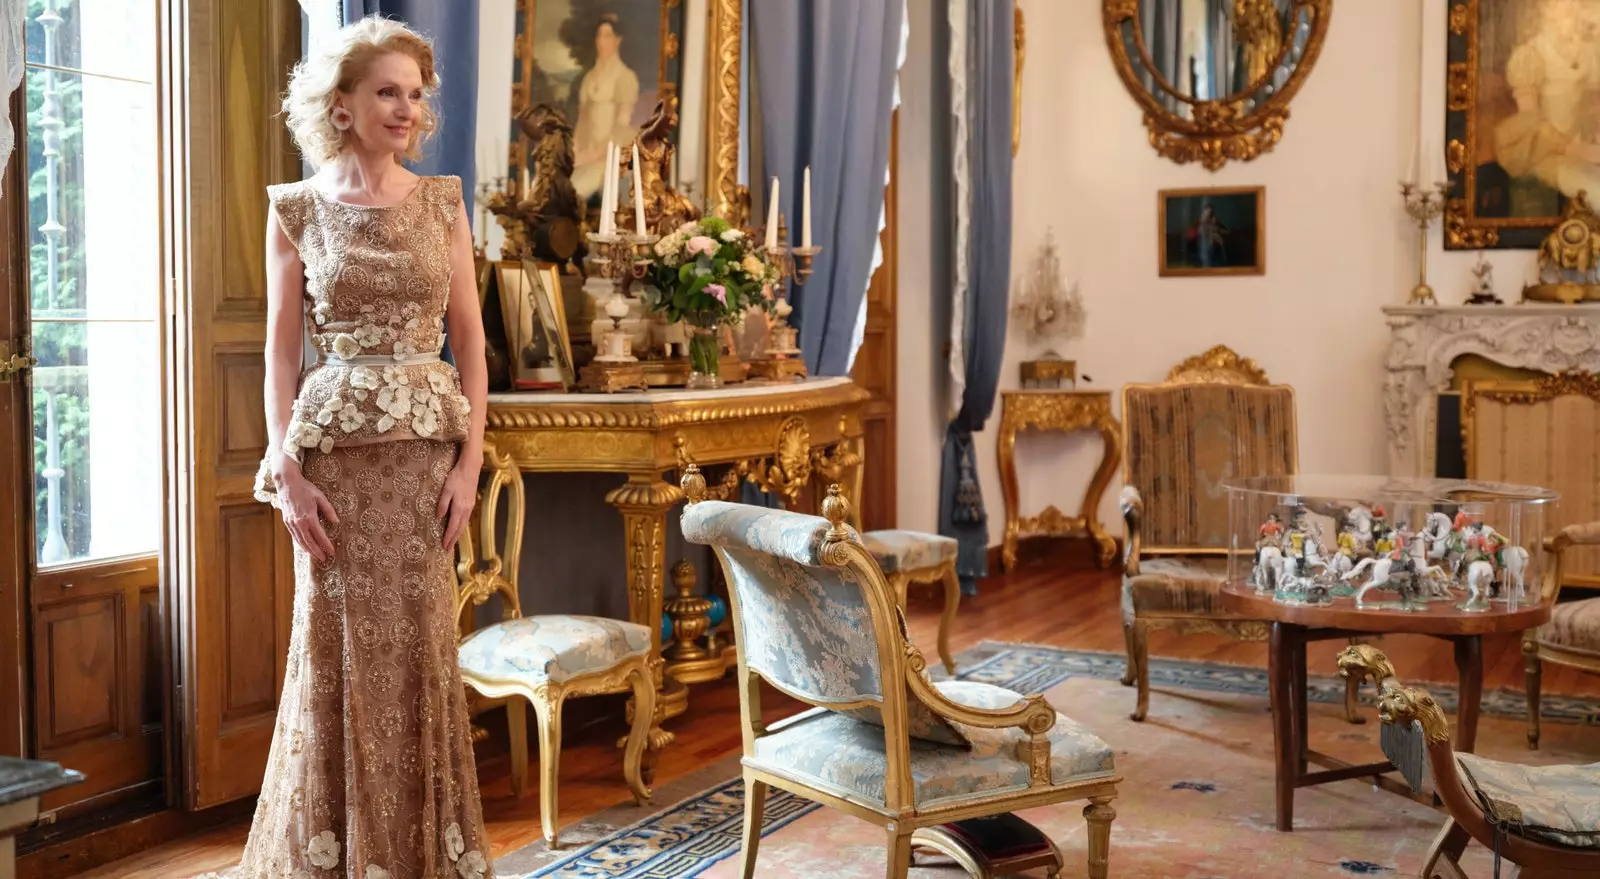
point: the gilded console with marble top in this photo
(779, 436)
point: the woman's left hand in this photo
(456, 499)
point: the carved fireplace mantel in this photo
(1426, 340)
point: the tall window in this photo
(94, 236)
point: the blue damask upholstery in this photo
(908, 550)
(550, 647)
(845, 756)
(1559, 805)
(806, 627)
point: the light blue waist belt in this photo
(326, 358)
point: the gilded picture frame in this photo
(538, 347)
(1212, 231)
(1511, 169)
(1238, 127)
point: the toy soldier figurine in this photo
(1382, 533)
(1270, 533)
(1347, 544)
(1490, 543)
(1462, 521)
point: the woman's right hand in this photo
(304, 508)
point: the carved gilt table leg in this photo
(1008, 488)
(645, 501)
(1110, 431)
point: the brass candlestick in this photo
(1423, 206)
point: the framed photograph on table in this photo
(1212, 231)
(537, 344)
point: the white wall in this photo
(1338, 244)
(497, 29)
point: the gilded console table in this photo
(1063, 411)
(778, 436)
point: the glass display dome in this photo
(1390, 543)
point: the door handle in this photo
(15, 363)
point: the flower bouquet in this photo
(706, 274)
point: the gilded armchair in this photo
(1545, 819)
(541, 659)
(1216, 417)
(1572, 637)
(817, 619)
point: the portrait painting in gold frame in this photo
(603, 63)
(1212, 231)
(1522, 126)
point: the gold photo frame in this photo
(1219, 230)
(538, 347)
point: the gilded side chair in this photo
(817, 619)
(543, 659)
(1216, 417)
(1544, 819)
(908, 557)
(1572, 637)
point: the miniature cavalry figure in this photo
(1269, 534)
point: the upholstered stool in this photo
(542, 659)
(908, 557)
(997, 845)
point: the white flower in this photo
(464, 404)
(472, 865)
(376, 872)
(368, 335)
(732, 235)
(325, 417)
(304, 435)
(361, 395)
(436, 403)
(351, 418)
(346, 345)
(363, 377)
(454, 845)
(426, 424)
(323, 851)
(404, 348)
(422, 395)
(385, 423)
(326, 445)
(439, 382)
(394, 375)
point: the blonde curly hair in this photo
(337, 66)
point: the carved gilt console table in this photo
(778, 436)
(1064, 411)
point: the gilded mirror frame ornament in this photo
(722, 94)
(1219, 131)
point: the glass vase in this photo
(705, 349)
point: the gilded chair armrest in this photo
(1032, 714)
(1132, 511)
(1580, 534)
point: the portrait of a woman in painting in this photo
(598, 60)
(1529, 138)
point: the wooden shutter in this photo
(874, 369)
(231, 556)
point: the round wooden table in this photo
(1294, 626)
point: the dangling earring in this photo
(341, 119)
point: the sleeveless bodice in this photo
(377, 281)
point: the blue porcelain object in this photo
(719, 610)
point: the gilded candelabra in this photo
(618, 259)
(781, 360)
(1424, 206)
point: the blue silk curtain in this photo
(990, 53)
(826, 73)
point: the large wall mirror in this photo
(605, 65)
(1215, 77)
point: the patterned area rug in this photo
(1196, 801)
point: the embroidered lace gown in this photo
(371, 772)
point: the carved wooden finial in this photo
(693, 484)
(837, 511)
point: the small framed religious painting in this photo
(1213, 231)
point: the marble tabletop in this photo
(21, 779)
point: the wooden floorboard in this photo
(1056, 602)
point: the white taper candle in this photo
(772, 217)
(638, 195)
(805, 228)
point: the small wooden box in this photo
(998, 845)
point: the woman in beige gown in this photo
(374, 461)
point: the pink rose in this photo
(717, 292)
(702, 244)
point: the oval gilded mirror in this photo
(1215, 77)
